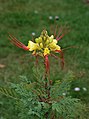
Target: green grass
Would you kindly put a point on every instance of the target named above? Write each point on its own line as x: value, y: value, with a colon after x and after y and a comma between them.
x: 19, y: 18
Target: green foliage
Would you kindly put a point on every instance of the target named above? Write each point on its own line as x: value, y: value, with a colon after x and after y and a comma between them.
x: 40, y: 102
x: 69, y: 108
x: 66, y: 106
x: 8, y: 92
x: 62, y: 86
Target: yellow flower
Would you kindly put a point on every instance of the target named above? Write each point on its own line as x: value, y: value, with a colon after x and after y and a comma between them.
x: 46, y: 51
x: 42, y: 46
x: 32, y: 46
x: 53, y: 46
x: 57, y: 47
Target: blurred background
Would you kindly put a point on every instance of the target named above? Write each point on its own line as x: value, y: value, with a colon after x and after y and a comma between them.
x: 25, y: 19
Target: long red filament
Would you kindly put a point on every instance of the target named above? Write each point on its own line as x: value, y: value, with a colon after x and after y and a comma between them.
x: 17, y: 42
x: 61, y: 57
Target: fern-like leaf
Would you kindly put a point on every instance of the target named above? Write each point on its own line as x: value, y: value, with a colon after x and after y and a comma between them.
x: 8, y: 92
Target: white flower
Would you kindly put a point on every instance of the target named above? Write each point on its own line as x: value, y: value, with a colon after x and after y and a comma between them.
x: 33, y: 34
x: 84, y: 89
x: 50, y: 17
x: 57, y: 17
x: 63, y: 94
x: 77, y: 89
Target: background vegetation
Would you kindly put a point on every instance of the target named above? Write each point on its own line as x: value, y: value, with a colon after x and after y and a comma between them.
x: 21, y: 18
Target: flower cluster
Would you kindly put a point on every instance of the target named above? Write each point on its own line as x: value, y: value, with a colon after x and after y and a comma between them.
x: 43, y: 46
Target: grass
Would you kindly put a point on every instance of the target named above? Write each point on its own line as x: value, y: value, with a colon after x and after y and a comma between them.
x: 19, y: 18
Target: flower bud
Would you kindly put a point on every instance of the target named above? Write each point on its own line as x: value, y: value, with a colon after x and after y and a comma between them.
x: 47, y: 42
x: 38, y: 40
x: 50, y: 40
x: 41, y: 45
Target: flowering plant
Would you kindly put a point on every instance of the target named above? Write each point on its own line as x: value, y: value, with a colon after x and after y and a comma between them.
x: 44, y: 46
x: 44, y: 98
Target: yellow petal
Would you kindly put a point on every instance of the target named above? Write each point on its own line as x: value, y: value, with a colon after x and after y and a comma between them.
x: 53, y: 46
x: 58, y: 47
x: 32, y: 46
x: 52, y: 36
x: 46, y: 51
x: 54, y: 41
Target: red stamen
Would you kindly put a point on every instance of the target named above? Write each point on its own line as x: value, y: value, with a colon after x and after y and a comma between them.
x: 66, y: 48
x: 65, y: 31
x: 61, y: 57
x: 55, y: 30
x: 17, y: 43
x: 59, y: 32
x: 60, y: 37
x: 54, y: 56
